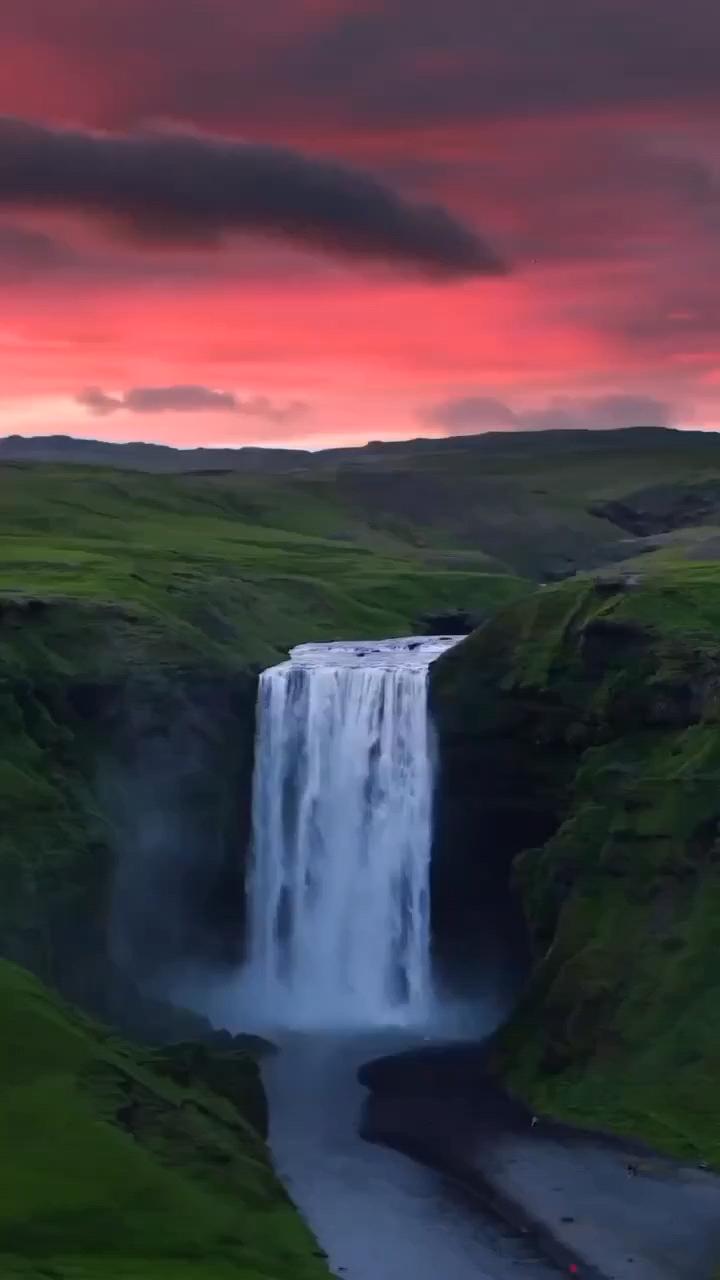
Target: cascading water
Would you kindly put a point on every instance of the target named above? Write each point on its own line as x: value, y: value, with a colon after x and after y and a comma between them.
x: 342, y: 831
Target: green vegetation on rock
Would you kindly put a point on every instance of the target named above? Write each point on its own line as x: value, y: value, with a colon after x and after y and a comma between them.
x: 53, y: 844
x: 603, y: 696
x: 122, y: 1164
x: 94, y: 773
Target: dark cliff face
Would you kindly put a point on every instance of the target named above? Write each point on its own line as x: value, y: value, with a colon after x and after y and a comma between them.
x: 176, y: 786
x: 579, y: 733
x: 129, y: 802
x: 504, y: 768
x: 663, y: 508
x: 489, y: 806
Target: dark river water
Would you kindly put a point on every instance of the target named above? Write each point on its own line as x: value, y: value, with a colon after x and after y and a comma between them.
x: 377, y: 1214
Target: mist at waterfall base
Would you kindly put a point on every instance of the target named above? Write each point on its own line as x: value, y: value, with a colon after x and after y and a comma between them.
x: 339, y: 921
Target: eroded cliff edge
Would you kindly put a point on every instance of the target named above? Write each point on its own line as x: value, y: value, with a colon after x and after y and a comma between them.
x: 580, y: 743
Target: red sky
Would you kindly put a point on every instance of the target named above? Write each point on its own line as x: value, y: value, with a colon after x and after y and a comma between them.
x: 572, y: 141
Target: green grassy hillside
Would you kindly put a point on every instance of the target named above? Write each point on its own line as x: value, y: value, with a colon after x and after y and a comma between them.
x: 118, y: 1164
x: 176, y: 569
x: 601, y: 700
x: 539, y: 503
x: 242, y: 563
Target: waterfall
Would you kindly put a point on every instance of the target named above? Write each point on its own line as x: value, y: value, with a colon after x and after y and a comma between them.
x: 342, y: 832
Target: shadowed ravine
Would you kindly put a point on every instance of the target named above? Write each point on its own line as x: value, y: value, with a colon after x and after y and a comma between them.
x: 350, y: 965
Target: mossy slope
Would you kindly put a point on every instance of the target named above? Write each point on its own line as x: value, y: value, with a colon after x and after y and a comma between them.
x: 609, y: 696
x: 103, y: 571
x: 542, y: 503
x: 121, y: 1165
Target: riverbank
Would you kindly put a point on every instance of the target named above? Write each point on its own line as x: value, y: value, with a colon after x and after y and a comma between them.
x: 377, y: 1214
x: 610, y: 1209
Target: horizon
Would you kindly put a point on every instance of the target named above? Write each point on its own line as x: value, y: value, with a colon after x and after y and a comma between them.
x: 297, y: 447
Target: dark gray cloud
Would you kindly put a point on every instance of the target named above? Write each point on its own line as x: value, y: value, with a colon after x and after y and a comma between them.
x: 98, y: 402
x: 601, y: 413
x: 469, y: 414
x: 187, y: 399
x: 466, y: 415
x: 26, y: 253
x: 416, y: 60
x: 392, y: 60
x: 192, y: 188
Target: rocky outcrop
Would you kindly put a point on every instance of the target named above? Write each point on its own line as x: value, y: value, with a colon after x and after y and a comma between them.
x: 663, y: 508
x: 230, y: 1072
x: 453, y: 622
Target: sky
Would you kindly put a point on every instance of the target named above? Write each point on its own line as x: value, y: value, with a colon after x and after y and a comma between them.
x: 315, y: 222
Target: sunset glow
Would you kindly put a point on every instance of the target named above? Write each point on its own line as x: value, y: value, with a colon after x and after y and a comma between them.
x: 587, y: 165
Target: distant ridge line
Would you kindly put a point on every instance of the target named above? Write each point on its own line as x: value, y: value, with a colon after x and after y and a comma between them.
x: 145, y: 456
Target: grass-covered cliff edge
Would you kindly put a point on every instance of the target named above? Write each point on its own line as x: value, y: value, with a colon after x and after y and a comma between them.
x: 128, y: 1164
x: 580, y: 731
x: 135, y: 612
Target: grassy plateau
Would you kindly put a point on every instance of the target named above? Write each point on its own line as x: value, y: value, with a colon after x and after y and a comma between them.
x: 223, y: 569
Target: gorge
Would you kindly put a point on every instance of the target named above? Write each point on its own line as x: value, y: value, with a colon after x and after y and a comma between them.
x: 576, y: 813
x: 339, y: 965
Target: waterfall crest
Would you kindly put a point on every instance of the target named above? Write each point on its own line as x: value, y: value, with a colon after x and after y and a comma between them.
x: 342, y: 831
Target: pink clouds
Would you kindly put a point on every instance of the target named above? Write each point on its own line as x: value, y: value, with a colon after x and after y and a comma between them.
x: 595, y: 175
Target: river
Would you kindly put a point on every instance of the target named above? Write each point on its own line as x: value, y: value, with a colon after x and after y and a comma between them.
x: 377, y: 1214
